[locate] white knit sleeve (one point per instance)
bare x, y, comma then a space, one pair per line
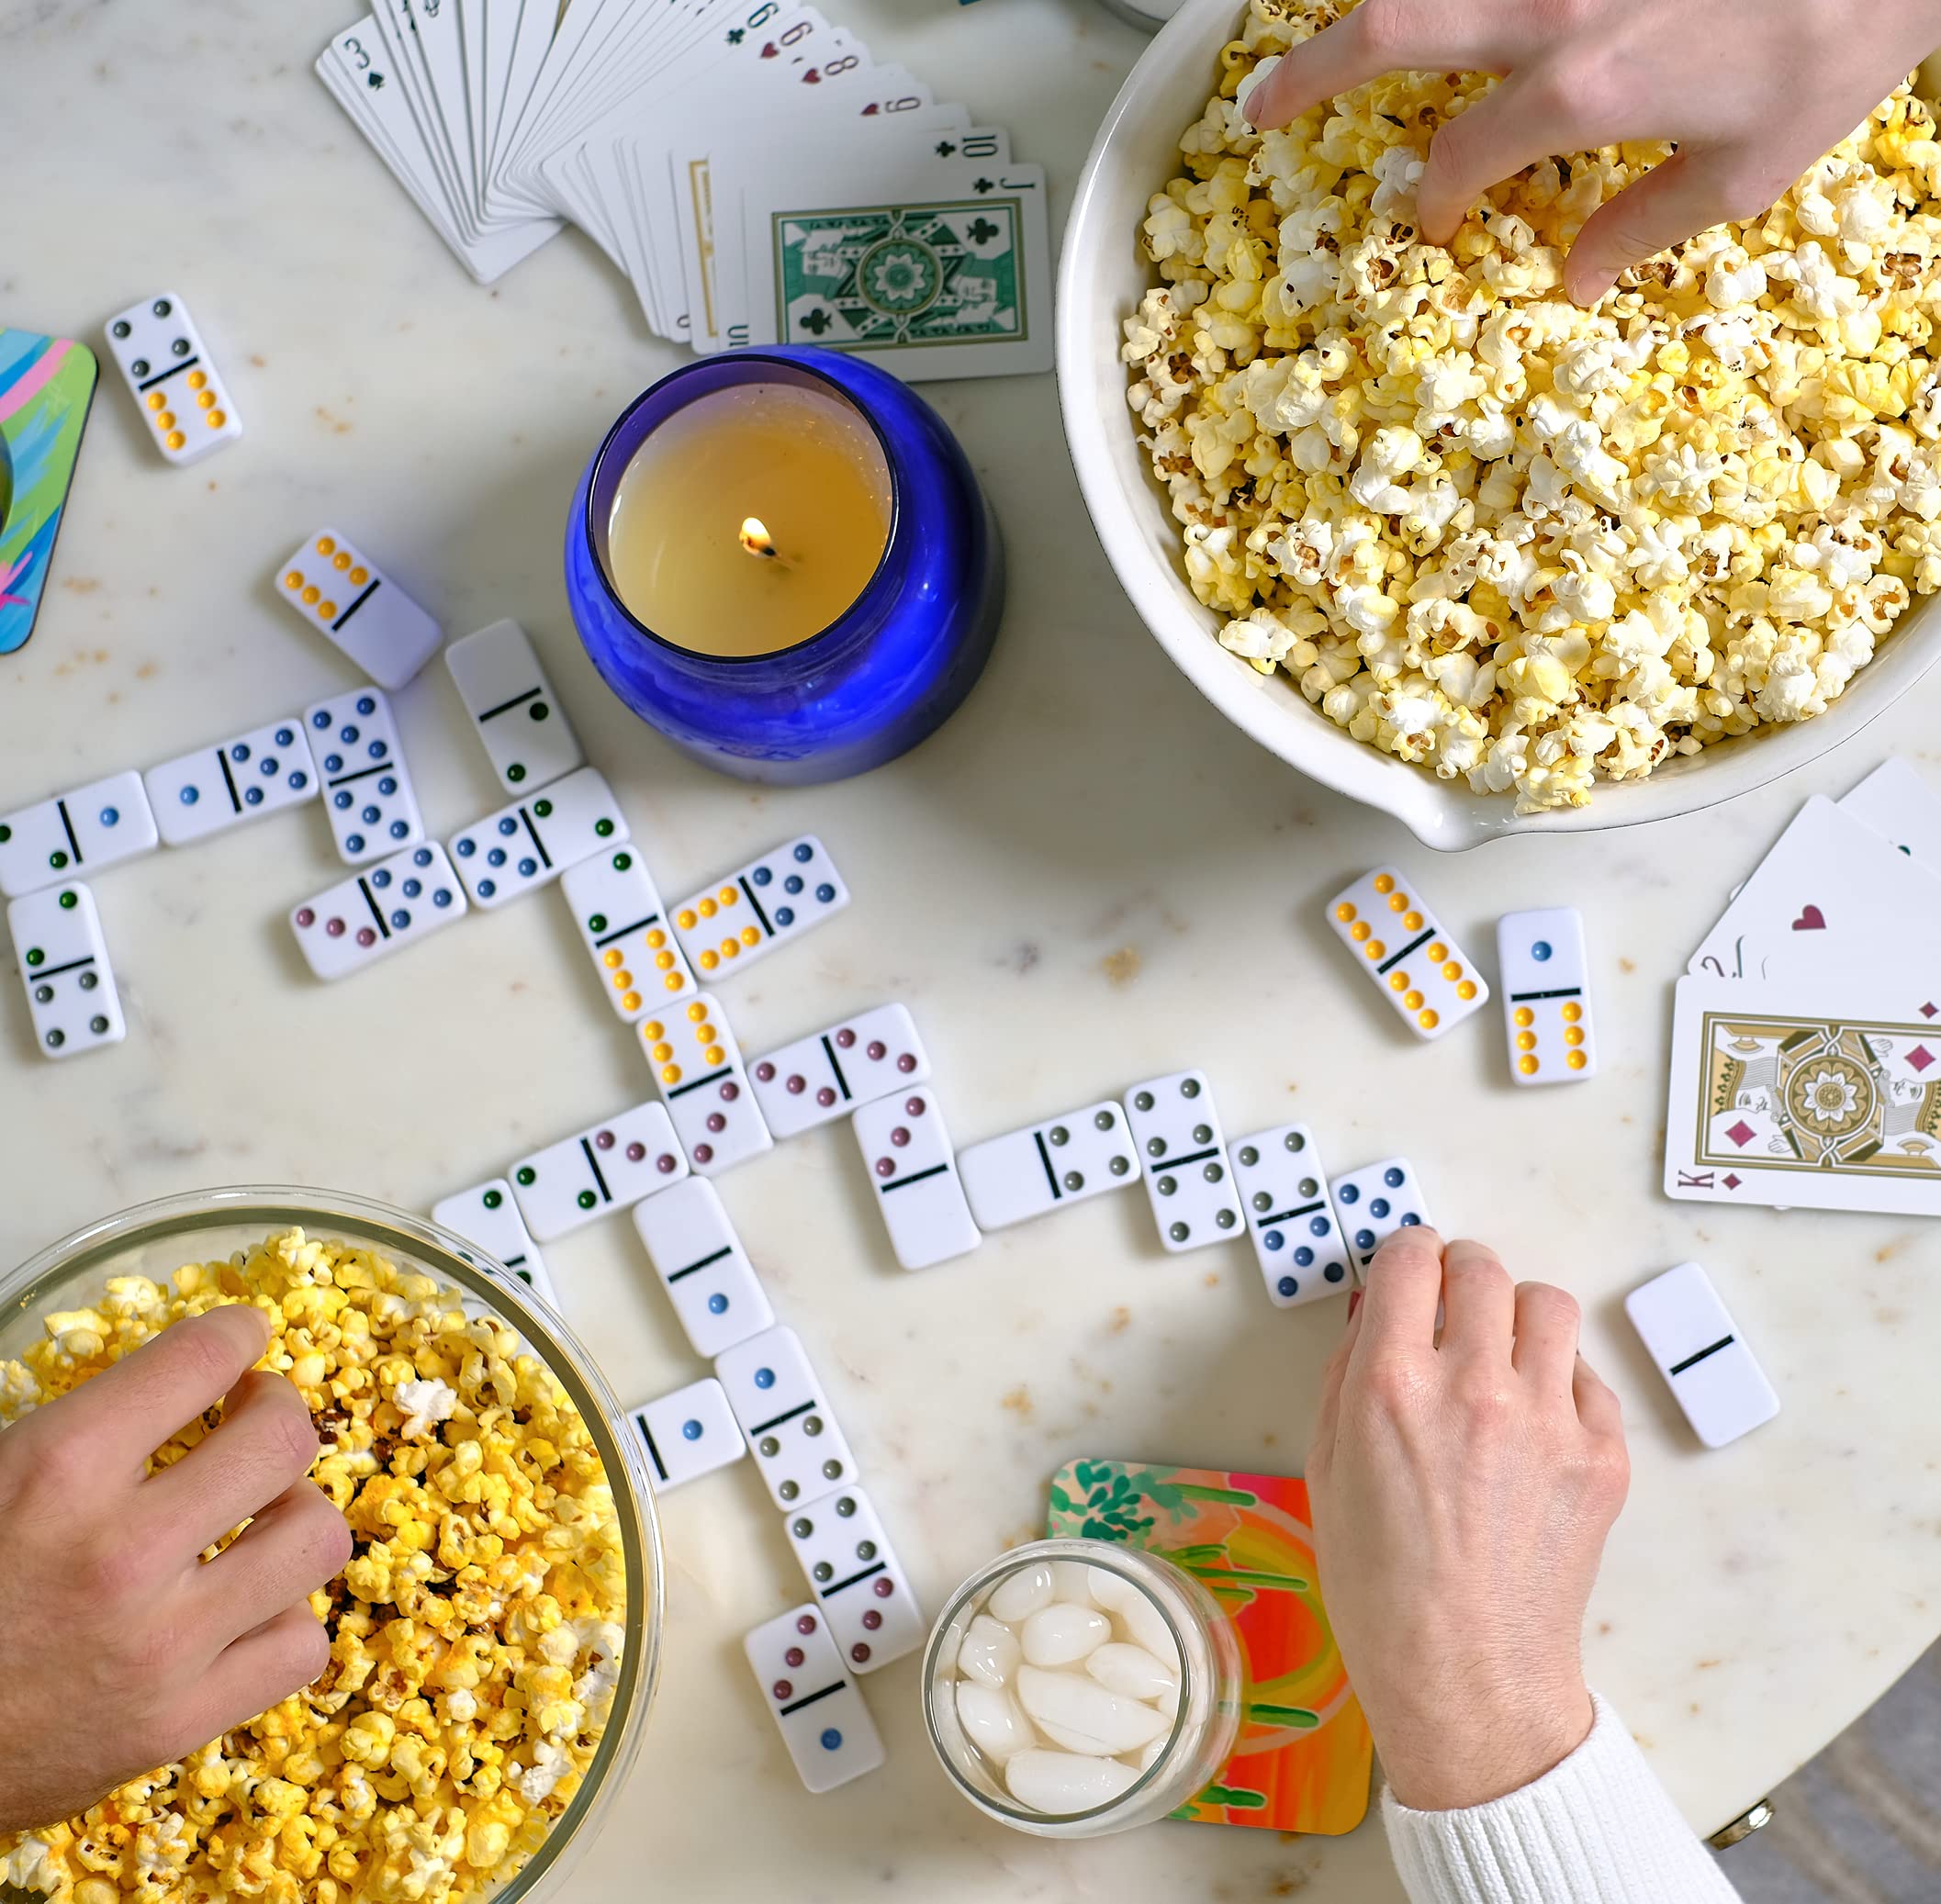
1598, 1829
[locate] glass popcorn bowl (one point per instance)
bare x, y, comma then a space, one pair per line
155, 1239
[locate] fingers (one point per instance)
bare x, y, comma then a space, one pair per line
127, 1413
266, 1441
1479, 1304
254, 1672
1321, 1446
1598, 1405
1668, 205
1516, 126
1402, 1290
294, 1546
1547, 1324
1378, 37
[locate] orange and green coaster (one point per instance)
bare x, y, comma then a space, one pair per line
1304, 1756
46, 386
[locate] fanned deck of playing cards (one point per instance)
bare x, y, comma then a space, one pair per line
1806, 1045
752, 170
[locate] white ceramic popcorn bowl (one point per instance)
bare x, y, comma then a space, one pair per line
1102, 275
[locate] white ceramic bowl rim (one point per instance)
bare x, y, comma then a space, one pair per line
1102, 275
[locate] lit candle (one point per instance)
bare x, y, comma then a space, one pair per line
750, 519
782, 561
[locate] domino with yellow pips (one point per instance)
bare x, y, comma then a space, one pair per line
727, 926
345, 595
1428, 979
166, 366
1546, 1011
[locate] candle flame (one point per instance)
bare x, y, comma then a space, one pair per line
755, 537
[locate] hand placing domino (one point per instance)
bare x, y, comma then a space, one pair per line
1428, 979
1689, 1332
1374, 1201
1296, 1240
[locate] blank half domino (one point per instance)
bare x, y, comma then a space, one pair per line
1428, 979
1691, 1335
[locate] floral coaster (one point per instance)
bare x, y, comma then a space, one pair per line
1304, 1757
46, 386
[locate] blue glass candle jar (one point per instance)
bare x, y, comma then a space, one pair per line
880, 678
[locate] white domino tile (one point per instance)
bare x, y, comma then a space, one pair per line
1183, 1155
832, 1071
377, 911
76, 834
221, 786
906, 1149
342, 593
741, 918
775, 1395
624, 926
609, 1167
1428, 979
519, 718
1546, 1000
529, 843
857, 1579
1691, 1335
486, 1215
1374, 1201
688, 1433
1049, 1166
169, 372
704, 1084
366, 789
71, 992
817, 1705
699, 1260
1290, 1218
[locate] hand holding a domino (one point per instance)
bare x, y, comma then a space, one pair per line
1462, 1484
121, 1648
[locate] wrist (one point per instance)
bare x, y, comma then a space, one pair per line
1484, 1750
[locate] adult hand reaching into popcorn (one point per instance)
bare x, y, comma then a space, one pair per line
1462, 1484
119, 1648
1752, 92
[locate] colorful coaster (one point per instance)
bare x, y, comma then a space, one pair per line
46, 386
1304, 1757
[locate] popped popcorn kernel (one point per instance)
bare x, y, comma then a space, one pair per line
461, 1707
1520, 543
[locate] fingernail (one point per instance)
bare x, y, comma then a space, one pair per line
1354, 1303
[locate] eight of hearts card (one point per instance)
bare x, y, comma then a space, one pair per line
1816, 1093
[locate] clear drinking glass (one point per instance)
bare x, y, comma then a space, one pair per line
1204, 1729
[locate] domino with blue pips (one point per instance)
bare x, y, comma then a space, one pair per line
529, 843
1290, 1218
701, 1263
367, 789
75, 834
1373, 1202
1542, 969
377, 911
817, 1705
739, 920
213, 788
687, 1433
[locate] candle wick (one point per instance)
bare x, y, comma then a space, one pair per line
755, 540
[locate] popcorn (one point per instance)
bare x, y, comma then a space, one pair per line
1526, 545
475, 1642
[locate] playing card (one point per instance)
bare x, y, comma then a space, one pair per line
1903, 806
1829, 873
1819, 1092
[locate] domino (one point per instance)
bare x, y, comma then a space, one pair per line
366, 791
703, 1084
1691, 1335
773, 1391
216, 788
378, 910
699, 1260
1374, 1201
529, 843
513, 707
624, 925
1048, 1166
727, 927
914, 1170
64, 963
857, 1579
94, 826
611, 1167
345, 595
1284, 1192
819, 1708
830, 1073
688, 1433
1546, 1010
168, 370
1183, 1152
486, 1215
1428, 979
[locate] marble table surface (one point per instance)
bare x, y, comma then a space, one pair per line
1086, 878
